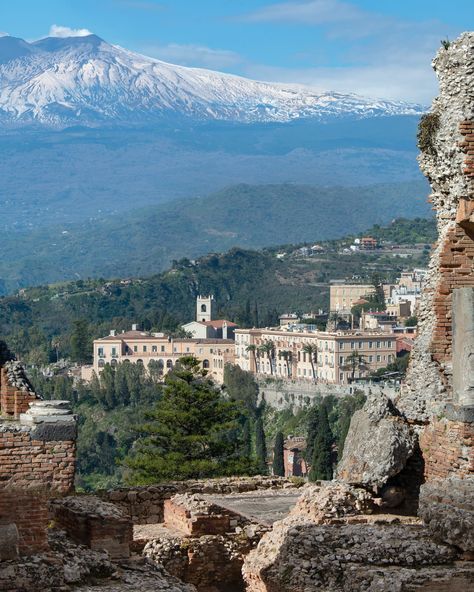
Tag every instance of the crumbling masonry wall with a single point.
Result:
(446, 140)
(30, 463)
(37, 458)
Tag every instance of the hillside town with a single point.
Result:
(355, 343)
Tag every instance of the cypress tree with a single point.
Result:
(246, 438)
(81, 345)
(313, 428)
(261, 447)
(278, 456)
(321, 461)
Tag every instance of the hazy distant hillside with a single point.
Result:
(62, 177)
(90, 130)
(145, 241)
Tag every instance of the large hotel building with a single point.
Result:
(333, 358)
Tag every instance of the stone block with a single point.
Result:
(463, 346)
(99, 525)
(447, 508)
(378, 445)
(9, 542)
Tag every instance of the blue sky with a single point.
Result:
(377, 48)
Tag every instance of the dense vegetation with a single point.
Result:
(248, 216)
(251, 288)
(133, 428)
(192, 432)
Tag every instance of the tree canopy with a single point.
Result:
(193, 432)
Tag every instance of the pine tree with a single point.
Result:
(321, 461)
(192, 432)
(278, 455)
(261, 447)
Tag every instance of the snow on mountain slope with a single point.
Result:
(84, 80)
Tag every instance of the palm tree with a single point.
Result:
(355, 361)
(253, 348)
(268, 348)
(287, 355)
(312, 351)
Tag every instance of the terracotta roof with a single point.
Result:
(218, 324)
(298, 443)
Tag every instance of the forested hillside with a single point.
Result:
(145, 241)
(250, 287)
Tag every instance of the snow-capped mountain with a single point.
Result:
(84, 80)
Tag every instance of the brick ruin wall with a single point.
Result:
(13, 400)
(27, 463)
(447, 449)
(447, 159)
(145, 505)
(29, 512)
(37, 459)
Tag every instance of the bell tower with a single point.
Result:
(205, 308)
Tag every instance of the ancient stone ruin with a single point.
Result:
(412, 457)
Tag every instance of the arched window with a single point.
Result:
(140, 362)
(203, 308)
(205, 363)
(101, 363)
(113, 362)
(169, 363)
(126, 362)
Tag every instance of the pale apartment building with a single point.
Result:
(331, 362)
(343, 296)
(141, 347)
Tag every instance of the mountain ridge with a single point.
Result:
(145, 241)
(68, 81)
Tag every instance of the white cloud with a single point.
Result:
(194, 55)
(3, 34)
(417, 84)
(60, 31)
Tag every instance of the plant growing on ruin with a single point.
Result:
(427, 128)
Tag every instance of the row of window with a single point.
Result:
(154, 349)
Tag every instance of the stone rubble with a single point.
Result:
(17, 377)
